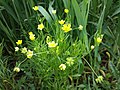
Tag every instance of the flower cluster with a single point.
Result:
(65, 27)
(69, 62)
(24, 50)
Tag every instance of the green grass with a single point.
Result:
(42, 71)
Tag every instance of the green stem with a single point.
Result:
(90, 67)
(42, 52)
(22, 62)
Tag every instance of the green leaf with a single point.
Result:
(54, 16)
(1, 48)
(9, 9)
(100, 22)
(81, 66)
(116, 12)
(66, 3)
(77, 12)
(45, 14)
(76, 75)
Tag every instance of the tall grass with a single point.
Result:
(15, 18)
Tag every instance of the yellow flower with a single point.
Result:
(66, 27)
(29, 54)
(31, 36)
(99, 79)
(40, 26)
(52, 44)
(66, 10)
(99, 40)
(35, 8)
(16, 49)
(61, 22)
(62, 67)
(80, 27)
(70, 61)
(30, 33)
(54, 11)
(92, 47)
(16, 69)
(19, 42)
(24, 50)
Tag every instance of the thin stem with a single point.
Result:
(90, 67)
(41, 53)
(22, 62)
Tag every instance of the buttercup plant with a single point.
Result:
(61, 50)
(59, 45)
